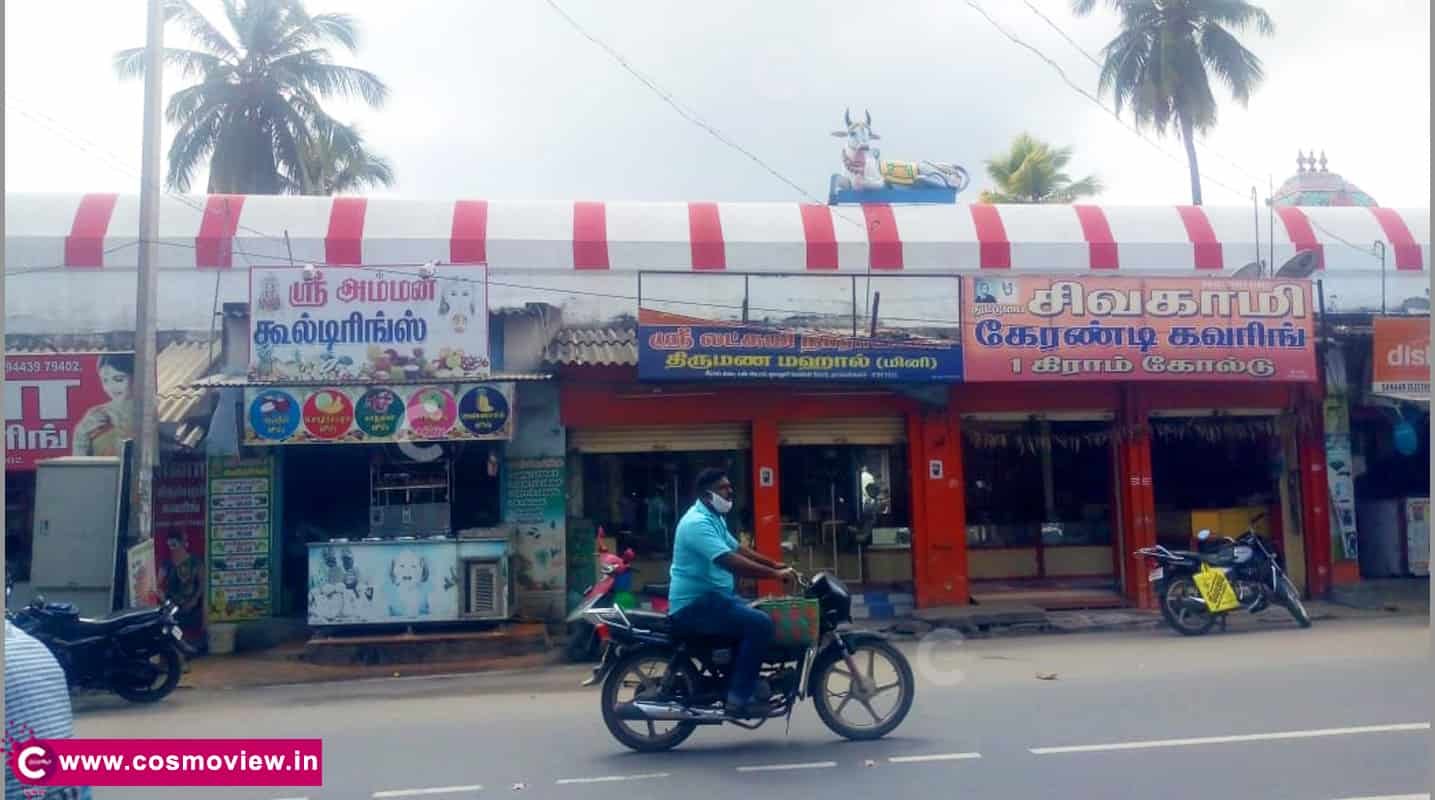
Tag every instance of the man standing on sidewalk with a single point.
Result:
(37, 705)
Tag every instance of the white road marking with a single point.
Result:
(934, 757)
(429, 791)
(1392, 797)
(613, 778)
(781, 767)
(1250, 737)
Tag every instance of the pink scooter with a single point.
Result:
(615, 577)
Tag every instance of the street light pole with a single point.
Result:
(144, 389)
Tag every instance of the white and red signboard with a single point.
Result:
(61, 404)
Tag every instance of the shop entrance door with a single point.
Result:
(846, 499)
(1041, 507)
(1219, 472)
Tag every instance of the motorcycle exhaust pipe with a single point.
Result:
(643, 710)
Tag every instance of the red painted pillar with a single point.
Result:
(939, 541)
(1315, 506)
(1138, 498)
(766, 501)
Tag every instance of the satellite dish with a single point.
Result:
(1301, 266)
(1249, 271)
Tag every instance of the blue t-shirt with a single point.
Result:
(701, 539)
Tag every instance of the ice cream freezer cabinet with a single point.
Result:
(407, 581)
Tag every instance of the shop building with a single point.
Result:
(952, 484)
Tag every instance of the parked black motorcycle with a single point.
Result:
(658, 687)
(1195, 589)
(137, 653)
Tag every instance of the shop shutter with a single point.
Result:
(856, 430)
(657, 438)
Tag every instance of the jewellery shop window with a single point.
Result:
(638, 498)
(1039, 483)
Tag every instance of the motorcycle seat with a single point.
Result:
(1220, 558)
(662, 623)
(117, 619)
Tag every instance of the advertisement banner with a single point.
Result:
(535, 500)
(62, 404)
(141, 591)
(179, 518)
(371, 583)
(359, 326)
(366, 414)
(240, 522)
(677, 348)
(1401, 359)
(1045, 328)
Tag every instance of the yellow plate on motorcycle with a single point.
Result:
(1215, 589)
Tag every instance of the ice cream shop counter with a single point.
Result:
(407, 580)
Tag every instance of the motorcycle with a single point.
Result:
(659, 686)
(136, 653)
(1196, 589)
(612, 588)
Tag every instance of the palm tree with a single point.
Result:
(257, 104)
(1162, 62)
(1031, 172)
(336, 161)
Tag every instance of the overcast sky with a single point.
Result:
(505, 101)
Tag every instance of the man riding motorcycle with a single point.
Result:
(702, 588)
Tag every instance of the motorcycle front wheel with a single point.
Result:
(1290, 598)
(153, 678)
(1185, 609)
(639, 676)
(868, 705)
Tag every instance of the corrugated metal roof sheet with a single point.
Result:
(606, 346)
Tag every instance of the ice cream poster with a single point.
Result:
(409, 324)
(357, 414)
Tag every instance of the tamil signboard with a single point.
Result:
(368, 326)
(1138, 329)
(241, 528)
(364, 414)
(680, 348)
(1401, 359)
(62, 404)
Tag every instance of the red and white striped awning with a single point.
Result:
(99, 231)
(73, 250)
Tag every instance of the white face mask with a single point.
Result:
(720, 504)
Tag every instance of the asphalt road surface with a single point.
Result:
(1338, 711)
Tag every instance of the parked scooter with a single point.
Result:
(1196, 589)
(136, 653)
(615, 577)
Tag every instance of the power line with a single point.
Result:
(686, 113)
(1090, 97)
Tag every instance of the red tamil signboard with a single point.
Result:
(1402, 356)
(61, 404)
(1082, 328)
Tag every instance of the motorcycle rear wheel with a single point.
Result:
(1187, 620)
(864, 655)
(170, 665)
(643, 672)
(1290, 598)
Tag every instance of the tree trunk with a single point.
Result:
(1189, 137)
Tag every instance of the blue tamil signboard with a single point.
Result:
(674, 348)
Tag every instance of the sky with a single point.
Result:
(506, 101)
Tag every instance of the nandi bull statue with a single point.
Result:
(865, 169)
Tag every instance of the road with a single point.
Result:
(1338, 711)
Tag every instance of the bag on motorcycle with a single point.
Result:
(795, 620)
(1215, 589)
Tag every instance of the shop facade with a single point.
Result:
(839, 472)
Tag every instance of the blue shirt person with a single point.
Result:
(701, 593)
(37, 704)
